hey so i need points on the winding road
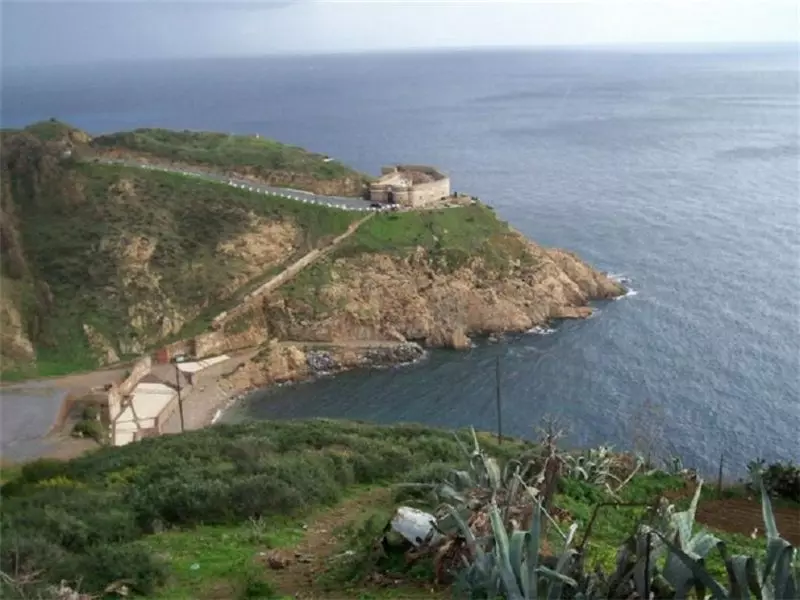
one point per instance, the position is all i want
(340, 202)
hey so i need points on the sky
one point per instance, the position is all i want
(54, 32)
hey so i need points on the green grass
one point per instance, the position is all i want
(226, 151)
(209, 557)
(66, 518)
(451, 236)
(50, 130)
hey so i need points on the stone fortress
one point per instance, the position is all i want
(410, 186)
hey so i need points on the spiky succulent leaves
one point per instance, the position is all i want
(683, 521)
(779, 577)
(477, 447)
(502, 552)
(460, 480)
(469, 537)
(493, 474)
(467, 453)
(644, 566)
(530, 583)
(518, 544)
(743, 577)
(512, 488)
(557, 581)
(697, 570)
(679, 575)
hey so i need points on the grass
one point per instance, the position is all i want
(205, 559)
(182, 219)
(50, 130)
(451, 236)
(226, 151)
(193, 516)
(68, 518)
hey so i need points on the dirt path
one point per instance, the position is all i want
(287, 274)
(312, 556)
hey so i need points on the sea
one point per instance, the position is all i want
(675, 170)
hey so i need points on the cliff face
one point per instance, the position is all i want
(103, 261)
(383, 296)
(279, 362)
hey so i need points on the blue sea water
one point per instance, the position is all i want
(676, 170)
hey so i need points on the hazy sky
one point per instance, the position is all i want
(60, 31)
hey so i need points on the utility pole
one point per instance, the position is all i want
(499, 404)
(180, 400)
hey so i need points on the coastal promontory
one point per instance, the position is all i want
(119, 245)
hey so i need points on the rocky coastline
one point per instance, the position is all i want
(280, 363)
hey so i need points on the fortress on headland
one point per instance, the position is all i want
(410, 185)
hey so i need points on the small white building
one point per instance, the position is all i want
(410, 185)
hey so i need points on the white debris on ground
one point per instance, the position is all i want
(416, 526)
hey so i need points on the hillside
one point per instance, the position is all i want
(125, 256)
(298, 509)
(254, 157)
(106, 260)
(438, 277)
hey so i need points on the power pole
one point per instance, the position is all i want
(180, 400)
(499, 403)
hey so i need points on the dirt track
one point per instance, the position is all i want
(742, 515)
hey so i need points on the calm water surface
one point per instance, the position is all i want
(678, 171)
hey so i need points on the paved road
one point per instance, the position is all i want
(353, 204)
(27, 414)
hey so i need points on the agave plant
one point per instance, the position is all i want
(776, 580)
(511, 567)
(594, 465)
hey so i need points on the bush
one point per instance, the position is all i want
(782, 480)
(68, 516)
(131, 565)
(90, 413)
(90, 428)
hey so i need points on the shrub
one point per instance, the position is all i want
(90, 428)
(781, 480)
(43, 468)
(131, 565)
(66, 516)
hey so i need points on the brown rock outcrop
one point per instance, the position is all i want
(381, 296)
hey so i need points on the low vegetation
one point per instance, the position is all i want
(130, 252)
(225, 152)
(205, 514)
(85, 520)
(451, 236)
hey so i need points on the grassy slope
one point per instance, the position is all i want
(225, 151)
(219, 497)
(67, 516)
(450, 236)
(186, 217)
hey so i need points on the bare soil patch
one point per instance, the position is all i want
(743, 515)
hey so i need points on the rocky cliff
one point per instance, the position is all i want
(281, 362)
(421, 295)
(105, 261)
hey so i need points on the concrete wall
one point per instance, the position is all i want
(425, 194)
(114, 403)
(419, 194)
(140, 369)
(170, 351)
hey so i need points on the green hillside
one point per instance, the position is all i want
(203, 515)
(262, 157)
(135, 254)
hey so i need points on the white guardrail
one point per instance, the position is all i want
(305, 199)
